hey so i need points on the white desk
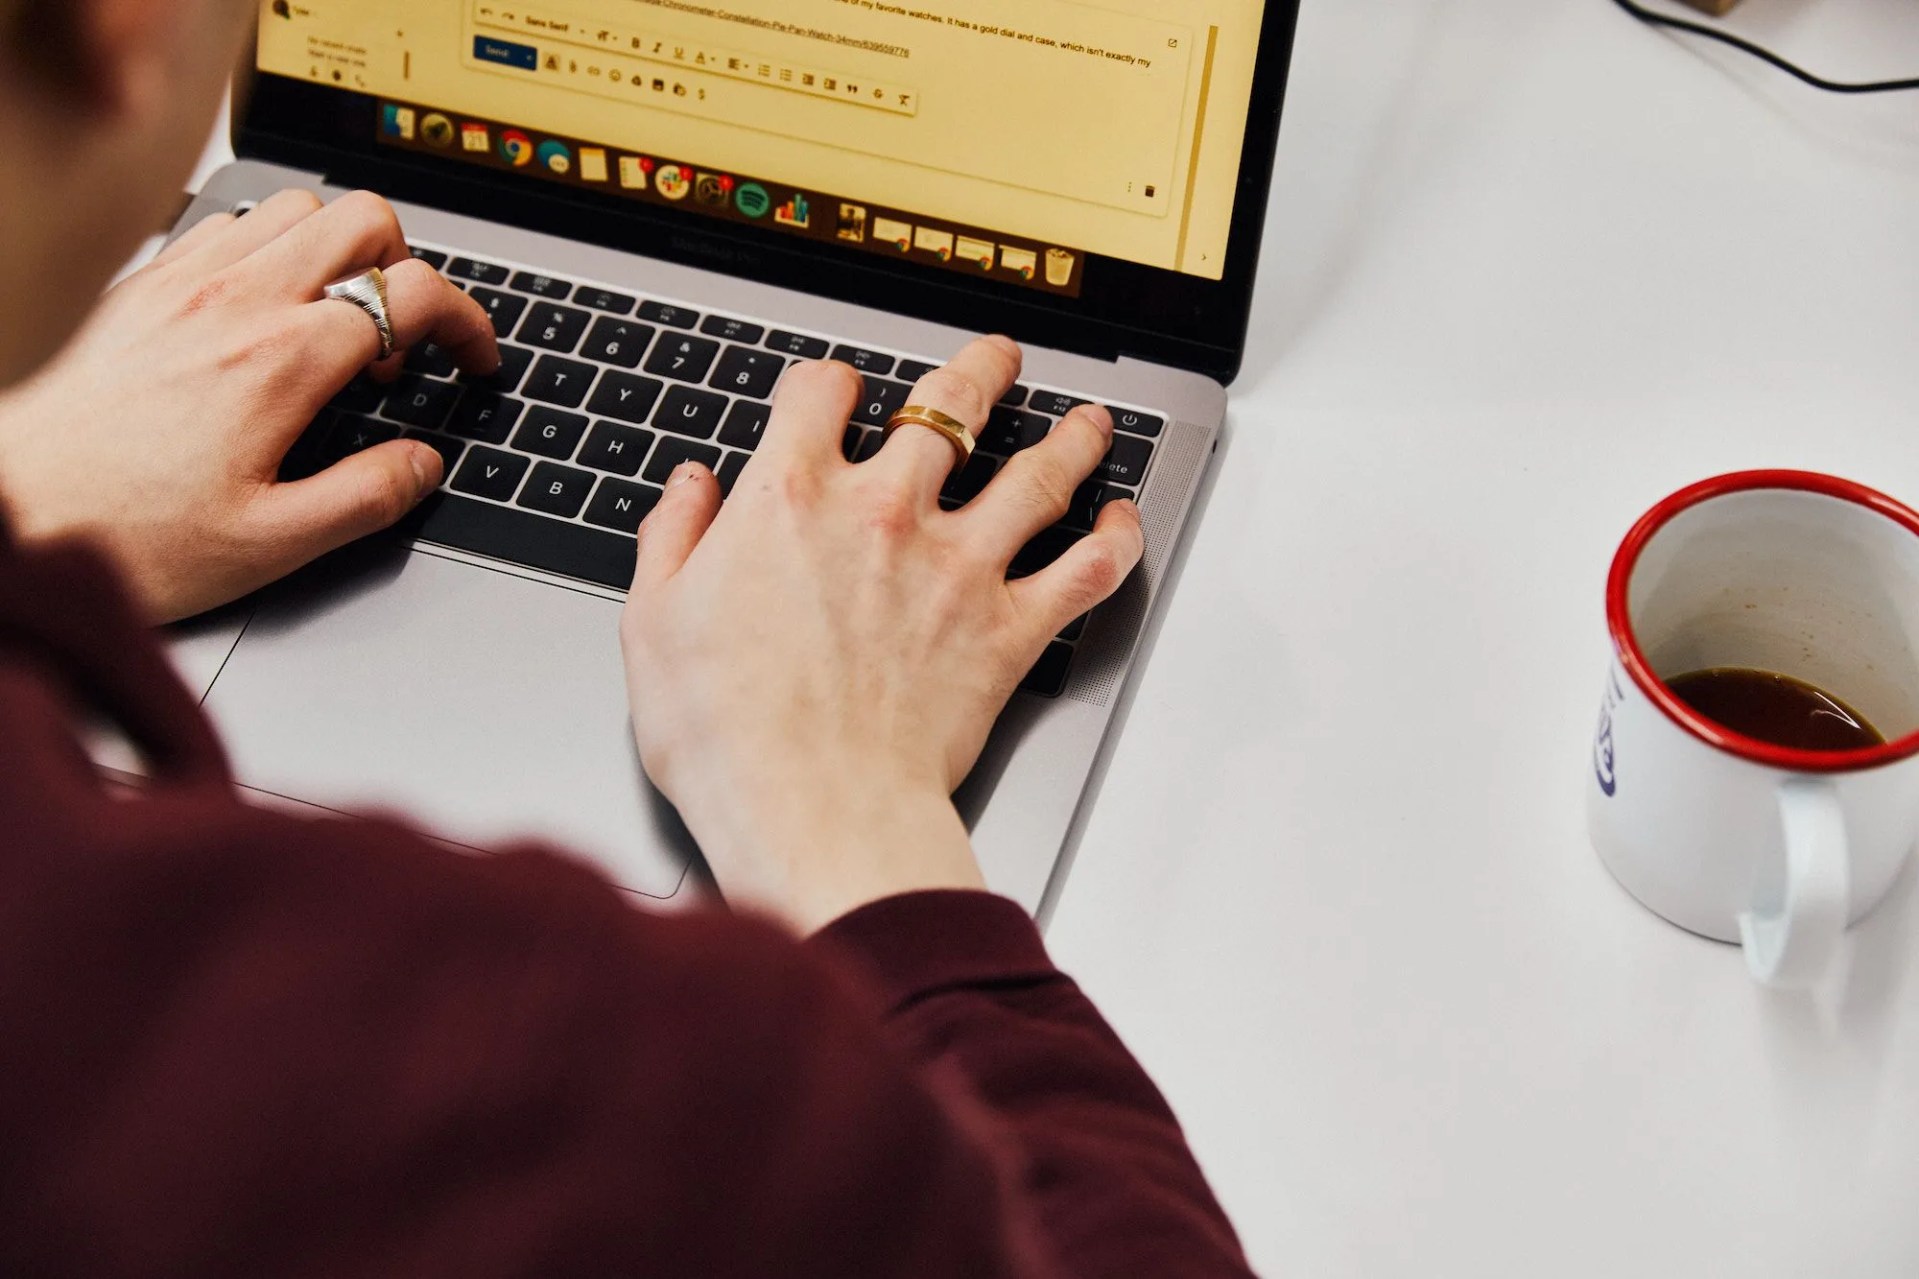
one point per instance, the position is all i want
(1529, 268)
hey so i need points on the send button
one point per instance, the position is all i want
(506, 52)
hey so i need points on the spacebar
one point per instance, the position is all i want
(466, 524)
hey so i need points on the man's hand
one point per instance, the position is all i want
(815, 668)
(159, 433)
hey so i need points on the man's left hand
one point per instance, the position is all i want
(160, 432)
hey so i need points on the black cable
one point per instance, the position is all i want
(1646, 15)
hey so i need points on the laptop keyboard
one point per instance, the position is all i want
(554, 461)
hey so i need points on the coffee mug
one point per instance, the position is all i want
(1729, 836)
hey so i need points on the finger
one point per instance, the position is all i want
(675, 526)
(1035, 488)
(193, 239)
(1086, 576)
(965, 389)
(811, 407)
(423, 306)
(361, 494)
(272, 218)
(353, 233)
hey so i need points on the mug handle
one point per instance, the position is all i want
(1801, 900)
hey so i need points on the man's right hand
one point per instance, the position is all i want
(160, 432)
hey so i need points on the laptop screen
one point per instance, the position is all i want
(1012, 140)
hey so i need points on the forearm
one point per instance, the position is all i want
(1108, 1174)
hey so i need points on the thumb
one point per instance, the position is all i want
(362, 493)
(677, 524)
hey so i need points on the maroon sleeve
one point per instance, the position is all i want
(967, 986)
(233, 1042)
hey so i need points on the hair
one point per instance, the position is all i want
(42, 39)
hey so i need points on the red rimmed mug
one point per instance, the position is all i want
(1729, 836)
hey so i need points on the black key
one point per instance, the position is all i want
(1087, 502)
(798, 344)
(483, 415)
(432, 257)
(430, 359)
(970, 480)
(550, 433)
(352, 434)
(616, 448)
(504, 308)
(448, 448)
(1048, 676)
(604, 300)
(477, 272)
(617, 342)
(557, 490)
(561, 382)
(724, 326)
(686, 358)
(1075, 628)
(514, 361)
(490, 473)
(520, 537)
(619, 505)
(625, 397)
(361, 395)
(1136, 422)
(1014, 397)
(871, 442)
(1052, 403)
(871, 363)
(880, 401)
(729, 472)
(1010, 430)
(420, 401)
(554, 328)
(745, 423)
(672, 452)
(1042, 551)
(686, 411)
(744, 371)
(854, 441)
(1126, 463)
(913, 370)
(541, 285)
(666, 313)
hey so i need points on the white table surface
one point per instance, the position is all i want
(1529, 267)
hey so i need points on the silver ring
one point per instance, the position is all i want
(368, 292)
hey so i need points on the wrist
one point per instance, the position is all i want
(808, 853)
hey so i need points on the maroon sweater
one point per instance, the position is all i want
(234, 1042)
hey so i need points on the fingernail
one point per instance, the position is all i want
(681, 474)
(422, 469)
(1101, 418)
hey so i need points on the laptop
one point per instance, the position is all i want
(662, 204)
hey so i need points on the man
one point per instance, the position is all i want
(238, 1042)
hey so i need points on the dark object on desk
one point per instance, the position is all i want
(1646, 15)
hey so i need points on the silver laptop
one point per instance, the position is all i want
(662, 205)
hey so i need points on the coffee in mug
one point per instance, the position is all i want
(1755, 774)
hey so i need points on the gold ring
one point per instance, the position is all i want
(956, 432)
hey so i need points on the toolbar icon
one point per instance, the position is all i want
(673, 182)
(753, 200)
(555, 157)
(852, 223)
(633, 172)
(795, 213)
(437, 130)
(474, 137)
(516, 148)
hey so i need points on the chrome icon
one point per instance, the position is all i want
(516, 148)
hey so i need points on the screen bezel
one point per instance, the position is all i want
(1179, 320)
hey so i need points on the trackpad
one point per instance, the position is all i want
(479, 704)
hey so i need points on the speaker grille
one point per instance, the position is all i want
(1100, 666)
